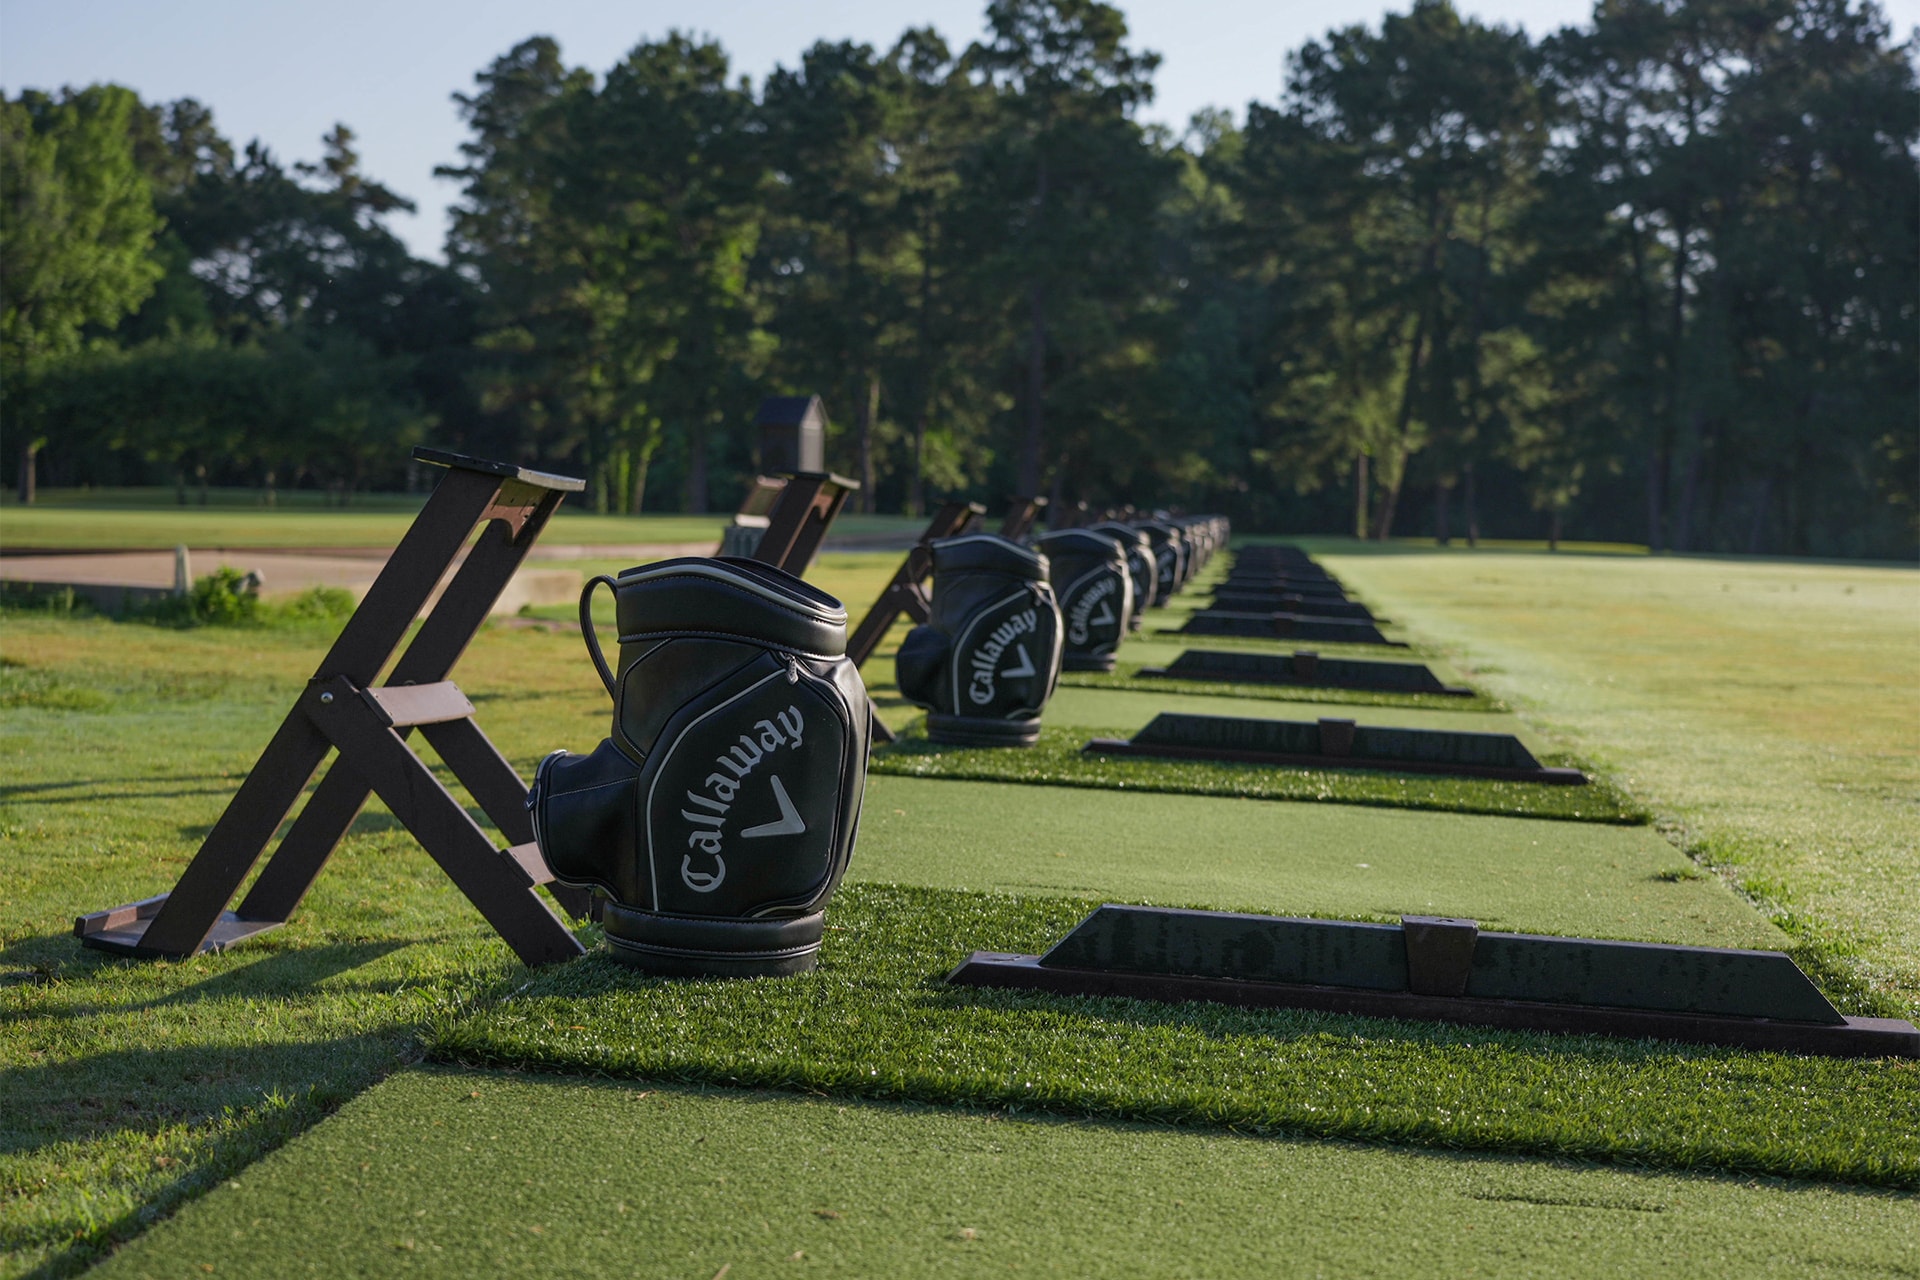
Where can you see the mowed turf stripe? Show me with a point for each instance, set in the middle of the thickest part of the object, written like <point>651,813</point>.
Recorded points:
<point>462,1174</point>
<point>875,1020</point>
<point>1517,874</point>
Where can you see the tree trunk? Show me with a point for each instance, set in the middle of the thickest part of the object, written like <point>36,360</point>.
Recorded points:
<point>640,467</point>
<point>1442,492</point>
<point>697,468</point>
<point>1416,357</point>
<point>1030,444</point>
<point>1360,497</point>
<point>869,410</point>
<point>1553,529</point>
<point>1470,500</point>
<point>1758,528</point>
<point>29,458</point>
<point>1029,483</point>
<point>1660,534</point>
<point>917,491</point>
<point>1656,495</point>
<point>1383,523</point>
<point>1689,489</point>
<point>923,391</point>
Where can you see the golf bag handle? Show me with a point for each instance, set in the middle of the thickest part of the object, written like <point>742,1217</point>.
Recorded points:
<point>587,632</point>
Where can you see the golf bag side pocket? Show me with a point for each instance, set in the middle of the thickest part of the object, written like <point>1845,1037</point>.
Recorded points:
<point>583,816</point>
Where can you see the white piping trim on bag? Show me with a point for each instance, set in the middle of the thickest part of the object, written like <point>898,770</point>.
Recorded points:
<point>722,574</point>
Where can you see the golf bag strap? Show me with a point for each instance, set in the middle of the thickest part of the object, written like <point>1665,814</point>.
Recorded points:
<point>587,632</point>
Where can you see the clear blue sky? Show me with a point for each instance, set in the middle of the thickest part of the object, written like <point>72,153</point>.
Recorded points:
<point>286,72</point>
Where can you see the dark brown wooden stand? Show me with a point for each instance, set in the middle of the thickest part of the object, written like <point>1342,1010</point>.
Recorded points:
<point>1021,513</point>
<point>799,518</point>
<point>343,710</point>
<point>906,591</point>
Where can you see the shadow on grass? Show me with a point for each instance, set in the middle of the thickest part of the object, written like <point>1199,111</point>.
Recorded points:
<point>116,1111</point>
<point>146,1089</point>
<point>242,1106</point>
<point>275,974</point>
<point>44,792</point>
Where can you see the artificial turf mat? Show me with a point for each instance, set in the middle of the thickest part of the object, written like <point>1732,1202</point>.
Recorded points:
<point>444,1173</point>
<point>1057,759</point>
<point>1297,859</point>
<point>1322,702</point>
<point>874,1020</point>
<point>1136,653</point>
<point>1081,707</point>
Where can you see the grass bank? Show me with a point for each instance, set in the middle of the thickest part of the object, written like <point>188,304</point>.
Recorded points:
<point>1767,711</point>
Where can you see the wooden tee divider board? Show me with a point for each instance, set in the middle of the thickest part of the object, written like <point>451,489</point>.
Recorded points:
<point>1275,625</point>
<point>342,710</point>
<point>1338,744</point>
<point>1446,969</point>
<point>1303,668</point>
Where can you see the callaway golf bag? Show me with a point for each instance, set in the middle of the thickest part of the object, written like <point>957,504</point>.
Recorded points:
<point>1090,577</point>
<point>719,816</point>
<point>1141,566</point>
<point>986,662</point>
<point>1169,553</point>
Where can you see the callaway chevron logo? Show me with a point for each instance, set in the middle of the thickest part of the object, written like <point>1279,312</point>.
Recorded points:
<point>707,809</point>
<point>1084,616</point>
<point>985,661</point>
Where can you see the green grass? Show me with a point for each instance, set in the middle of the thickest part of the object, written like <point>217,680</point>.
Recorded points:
<point>129,1087</point>
<point>1296,859</point>
<point>145,1083</point>
<point>1057,760</point>
<point>463,1174</point>
<point>1768,712</point>
<point>875,1021</point>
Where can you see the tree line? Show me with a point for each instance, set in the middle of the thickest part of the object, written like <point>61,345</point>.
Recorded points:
<point>1651,278</point>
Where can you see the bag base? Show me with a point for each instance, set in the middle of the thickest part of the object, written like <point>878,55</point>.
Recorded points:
<point>981,731</point>
<point>680,947</point>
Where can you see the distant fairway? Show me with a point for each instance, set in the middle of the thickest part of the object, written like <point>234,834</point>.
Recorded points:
<point>1768,710</point>
<point>378,522</point>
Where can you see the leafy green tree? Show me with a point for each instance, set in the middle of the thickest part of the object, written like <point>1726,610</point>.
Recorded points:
<point>1068,186</point>
<point>76,229</point>
<point>1434,123</point>
<point>610,227</point>
<point>832,137</point>
<point>77,222</point>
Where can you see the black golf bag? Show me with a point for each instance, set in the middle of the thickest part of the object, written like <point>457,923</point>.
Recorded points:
<point>1095,589</point>
<point>1141,566</point>
<point>718,817</point>
<point>1169,558</point>
<point>988,658</point>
